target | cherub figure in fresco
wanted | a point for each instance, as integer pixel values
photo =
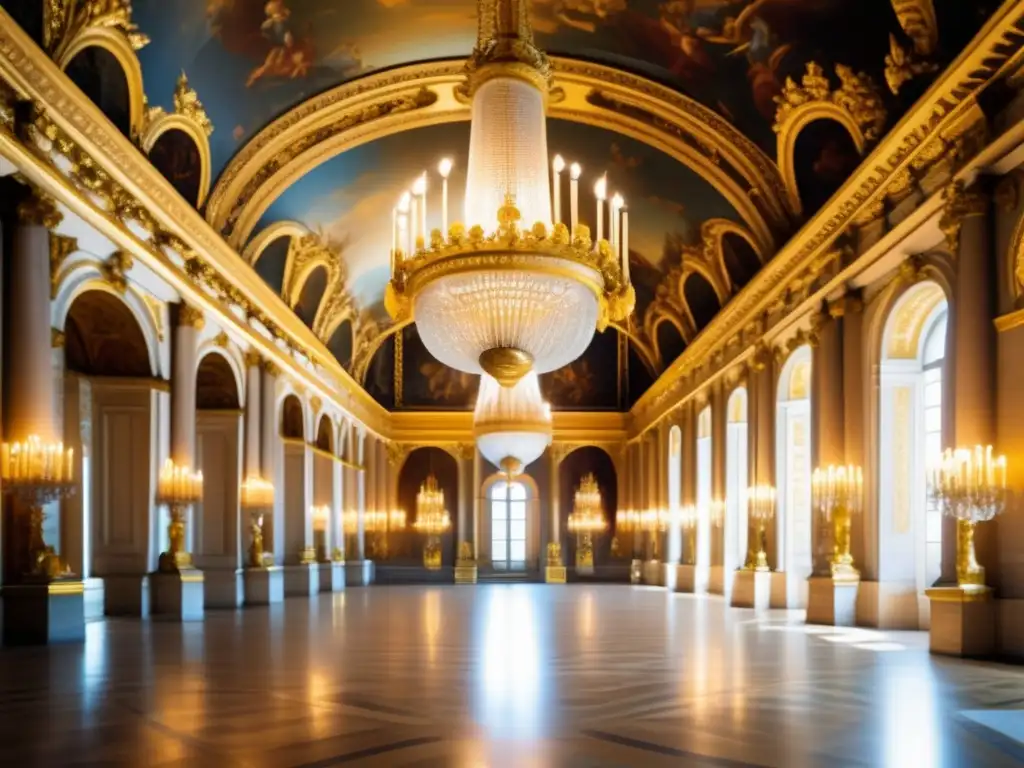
(573, 383)
(287, 57)
(584, 15)
(445, 384)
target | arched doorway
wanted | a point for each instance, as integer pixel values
(407, 547)
(111, 399)
(580, 462)
(736, 524)
(214, 530)
(911, 423)
(703, 501)
(793, 475)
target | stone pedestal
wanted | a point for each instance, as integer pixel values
(751, 589)
(38, 614)
(302, 580)
(554, 574)
(263, 586)
(832, 602)
(178, 595)
(94, 599)
(653, 573)
(332, 577)
(962, 621)
(222, 588)
(358, 573)
(465, 572)
(127, 596)
(680, 578)
(716, 580)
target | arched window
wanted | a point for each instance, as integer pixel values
(910, 427)
(508, 525)
(736, 526)
(793, 475)
(703, 499)
(675, 489)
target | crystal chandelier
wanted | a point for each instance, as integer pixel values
(511, 425)
(587, 515)
(431, 516)
(498, 298)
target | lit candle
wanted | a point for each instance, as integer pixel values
(574, 196)
(405, 233)
(558, 165)
(444, 168)
(419, 190)
(625, 246)
(601, 193)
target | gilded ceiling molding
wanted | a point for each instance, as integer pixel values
(421, 95)
(901, 66)
(945, 113)
(856, 105)
(917, 18)
(363, 352)
(190, 118)
(71, 26)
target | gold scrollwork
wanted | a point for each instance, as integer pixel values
(902, 66)
(191, 317)
(60, 248)
(39, 210)
(115, 270)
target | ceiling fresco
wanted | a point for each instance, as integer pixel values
(348, 202)
(251, 60)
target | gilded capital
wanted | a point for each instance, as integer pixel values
(505, 46)
(57, 338)
(252, 358)
(271, 368)
(190, 316)
(60, 248)
(39, 210)
(961, 203)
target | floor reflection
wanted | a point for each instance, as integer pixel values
(502, 675)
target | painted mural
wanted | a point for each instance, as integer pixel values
(251, 60)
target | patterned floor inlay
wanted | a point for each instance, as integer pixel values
(525, 676)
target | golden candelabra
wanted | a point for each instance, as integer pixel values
(431, 519)
(688, 523)
(971, 488)
(377, 524)
(257, 498)
(178, 488)
(654, 522)
(837, 493)
(37, 474)
(760, 509)
(320, 514)
(586, 519)
(627, 521)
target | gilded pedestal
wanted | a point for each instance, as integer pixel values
(751, 589)
(554, 571)
(465, 565)
(44, 612)
(263, 585)
(962, 621)
(652, 573)
(832, 600)
(680, 577)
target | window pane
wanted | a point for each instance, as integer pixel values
(498, 549)
(933, 394)
(498, 510)
(498, 490)
(933, 419)
(518, 529)
(517, 510)
(518, 550)
(518, 491)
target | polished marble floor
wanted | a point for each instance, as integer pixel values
(503, 675)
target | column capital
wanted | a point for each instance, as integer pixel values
(961, 203)
(465, 451)
(39, 210)
(191, 317)
(849, 304)
(396, 453)
(57, 338)
(252, 358)
(271, 368)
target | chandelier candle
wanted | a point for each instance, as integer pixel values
(444, 168)
(601, 194)
(574, 196)
(557, 166)
(971, 487)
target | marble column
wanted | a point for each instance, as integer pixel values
(555, 569)
(31, 614)
(359, 572)
(827, 423)
(271, 460)
(719, 426)
(253, 414)
(466, 554)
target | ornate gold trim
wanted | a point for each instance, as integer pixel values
(115, 270)
(191, 317)
(420, 95)
(855, 104)
(190, 118)
(39, 210)
(60, 248)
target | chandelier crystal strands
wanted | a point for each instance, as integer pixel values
(520, 289)
(511, 425)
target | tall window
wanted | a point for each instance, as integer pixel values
(508, 525)
(736, 526)
(910, 413)
(793, 469)
(703, 498)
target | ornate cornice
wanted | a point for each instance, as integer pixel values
(39, 210)
(424, 94)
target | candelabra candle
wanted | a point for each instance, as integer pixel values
(970, 486)
(760, 509)
(625, 245)
(837, 493)
(419, 191)
(177, 487)
(600, 193)
(444, 168)
(615, 206)
(35, 462)
(257, 493)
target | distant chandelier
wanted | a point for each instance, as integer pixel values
(431, 516)
(506, 301)
(587, 515)
(511, 425)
